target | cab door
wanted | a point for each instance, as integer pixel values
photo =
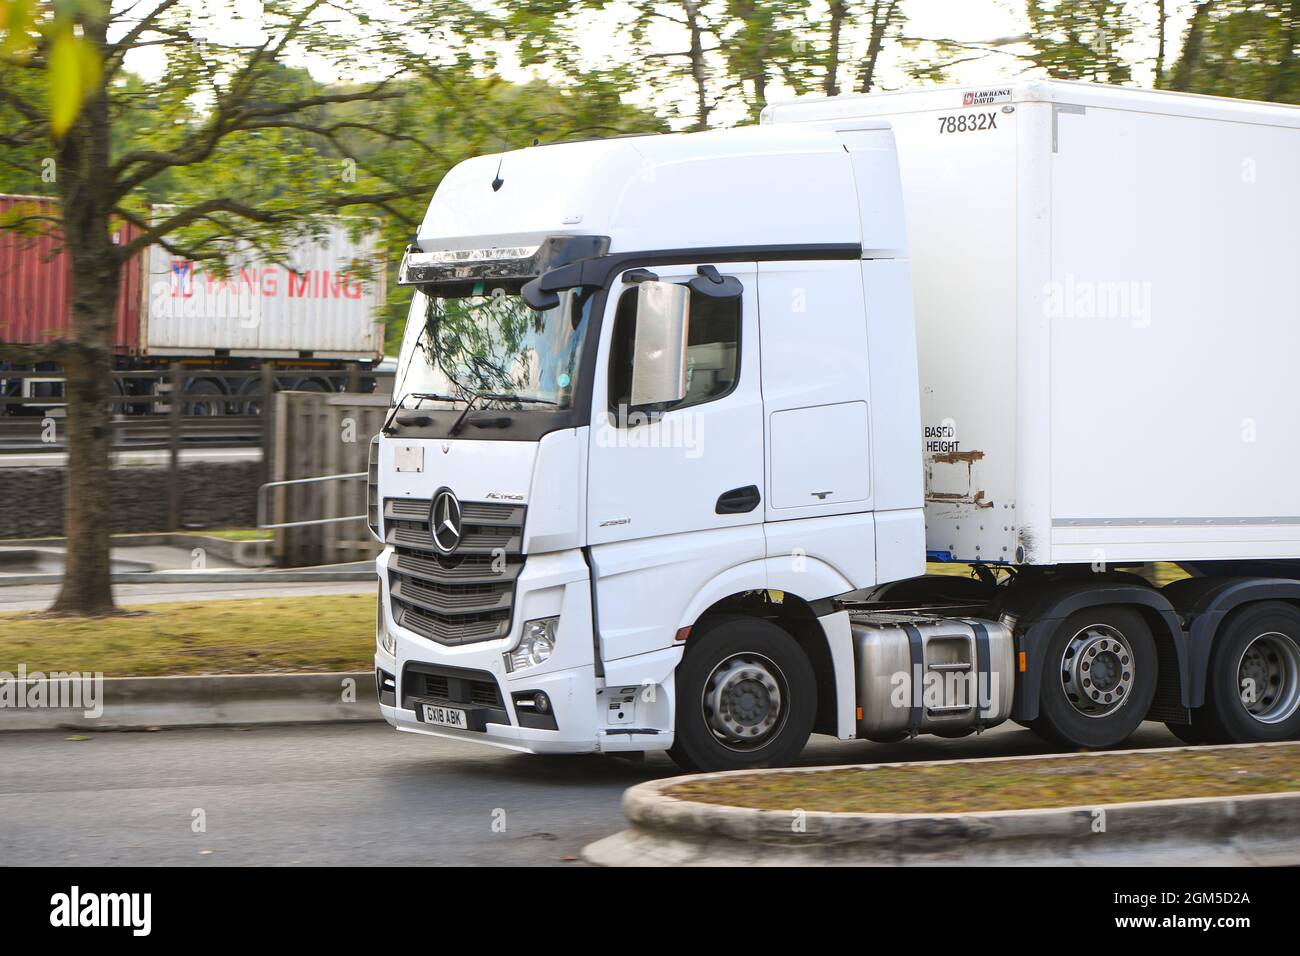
(696, 465)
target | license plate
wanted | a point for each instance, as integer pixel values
(408, 458)
(445, 717)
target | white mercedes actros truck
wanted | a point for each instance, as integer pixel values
(679, 420)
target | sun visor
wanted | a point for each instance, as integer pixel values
(420, 267)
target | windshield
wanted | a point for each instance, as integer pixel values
(491, 342)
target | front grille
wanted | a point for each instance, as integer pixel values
(459, 598)
(372, 487)
(452, 685)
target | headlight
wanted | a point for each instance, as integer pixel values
(535, 646)
(387, 643)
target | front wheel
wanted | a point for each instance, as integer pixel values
(746, 697)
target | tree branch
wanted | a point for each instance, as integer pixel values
(116, 52)
(205, 142)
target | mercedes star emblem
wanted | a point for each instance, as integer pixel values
(444, 521)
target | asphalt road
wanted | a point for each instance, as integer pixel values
(34, 597)
(344, 795)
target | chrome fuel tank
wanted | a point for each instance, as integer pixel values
(919, 673)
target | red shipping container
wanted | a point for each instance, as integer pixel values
(36, 286)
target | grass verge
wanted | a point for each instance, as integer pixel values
(1012, 784)
(238, 534)
(263, 636)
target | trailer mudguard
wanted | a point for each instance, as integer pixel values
(1204, 602)
(1039, 610)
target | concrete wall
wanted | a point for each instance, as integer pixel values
(213, 495)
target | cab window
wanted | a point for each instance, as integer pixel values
(712, 352)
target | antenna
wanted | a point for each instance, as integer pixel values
(498, 182)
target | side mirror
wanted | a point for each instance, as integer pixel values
(659, 351)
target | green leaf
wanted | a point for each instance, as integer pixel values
(15, 26)
(74, 69)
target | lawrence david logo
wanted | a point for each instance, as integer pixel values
(76, 909)
(986, 97)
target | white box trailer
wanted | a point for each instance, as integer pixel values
(313, 304)
(1106, 319)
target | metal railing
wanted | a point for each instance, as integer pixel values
(152, 409)
(261, 502)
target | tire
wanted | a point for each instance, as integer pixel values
(768, 681)
(309, 385)
(204, 397)
(1114, 642)
(250, 397)
(1259, 643)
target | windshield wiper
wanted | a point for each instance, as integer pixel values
(516, 398)
(419, 397)
(493, 397)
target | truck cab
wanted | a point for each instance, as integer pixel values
(648, 387)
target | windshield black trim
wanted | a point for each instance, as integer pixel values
(530, 424)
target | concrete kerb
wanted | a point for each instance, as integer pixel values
(669, 831)
(251, 553)
(356, 571)
(145, 703)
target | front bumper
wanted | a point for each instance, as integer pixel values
(587, 715)
(572, 694)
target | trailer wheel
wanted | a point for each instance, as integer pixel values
(746, 697)
(203, 396)
(1099, 678)
(251, 397)
(1252, 692)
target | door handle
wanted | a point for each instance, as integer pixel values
(738, 501)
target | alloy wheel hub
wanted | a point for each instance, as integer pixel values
(742, 701)
(1097, 670)
(1268, 677)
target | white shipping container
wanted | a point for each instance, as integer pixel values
(1107, 318)
(310, 303)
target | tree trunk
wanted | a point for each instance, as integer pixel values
(830, 82)
(882, 13)
(1280, 83)
(1190, 58)
(82, 157)
(87, 584)
(699, 73)
(1162, 20)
